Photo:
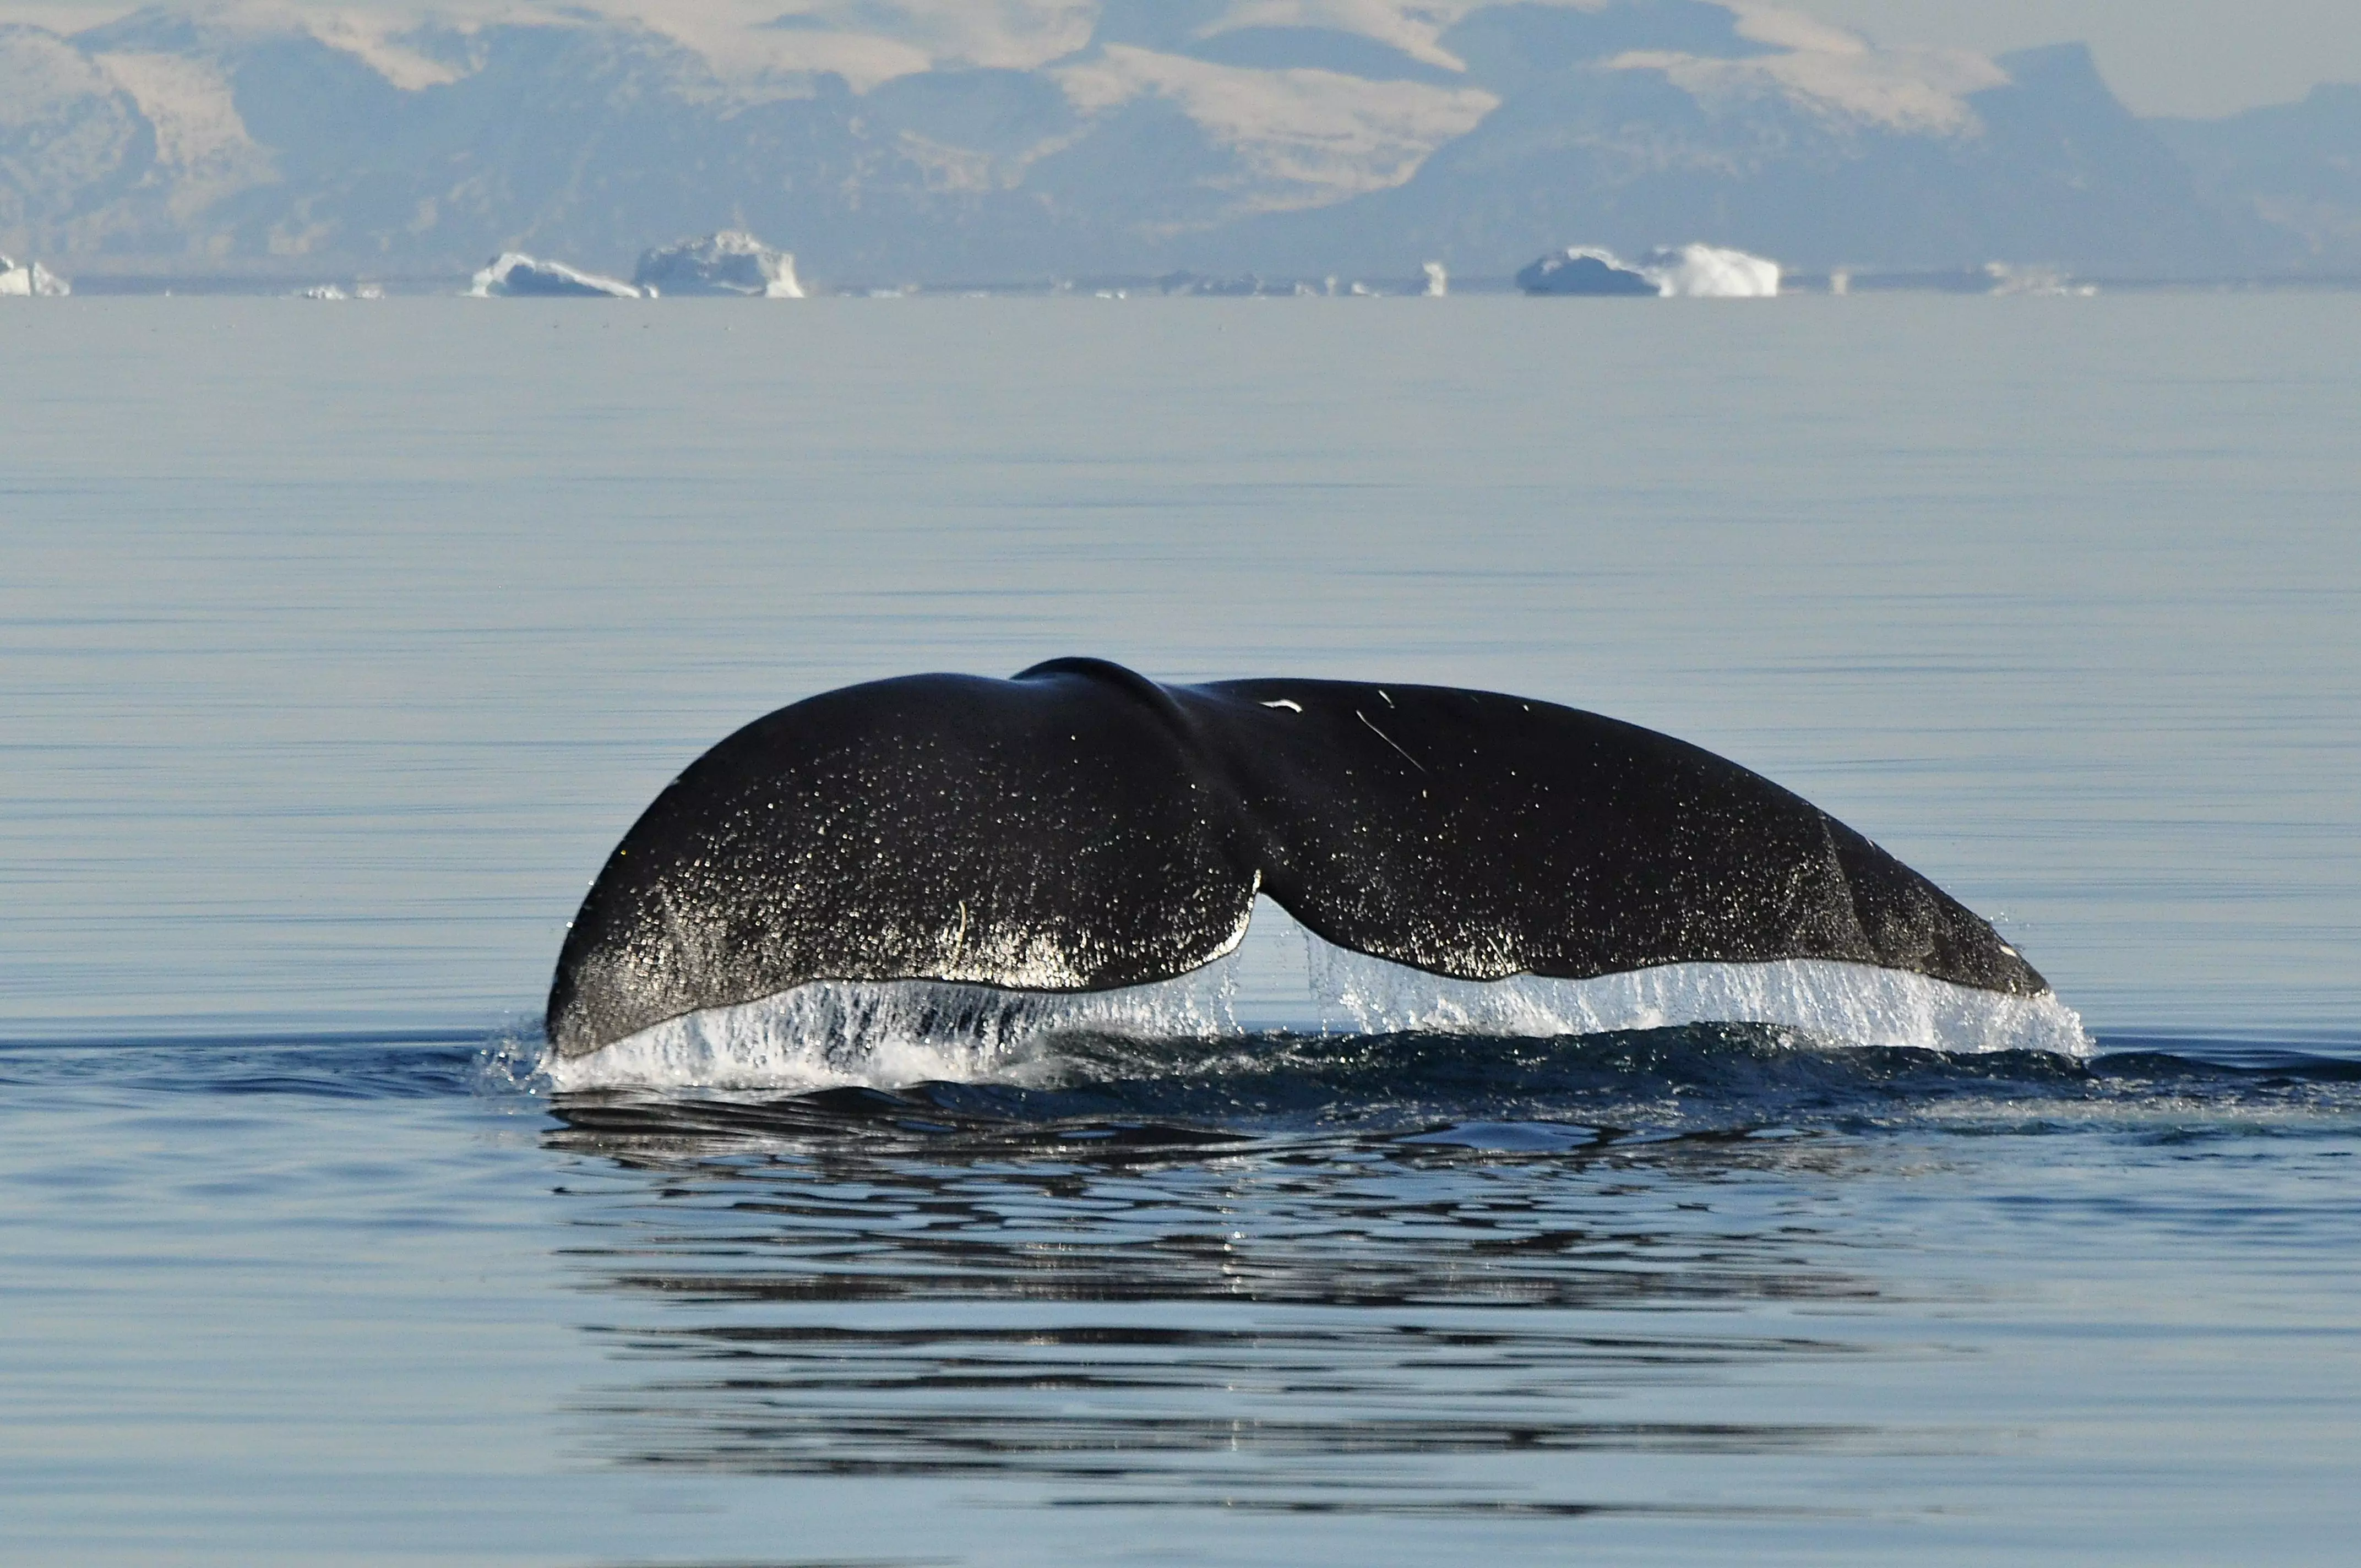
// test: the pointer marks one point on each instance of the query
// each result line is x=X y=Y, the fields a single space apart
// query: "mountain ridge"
x=1161 y=137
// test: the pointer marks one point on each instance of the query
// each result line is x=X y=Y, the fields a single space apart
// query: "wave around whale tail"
x=949 y=857
x=1282 y=985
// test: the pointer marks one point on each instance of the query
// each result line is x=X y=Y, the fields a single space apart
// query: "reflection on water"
x=1393 y=1277
x=1185 y=1364
x=1674 y=1298
x=1422 y=1320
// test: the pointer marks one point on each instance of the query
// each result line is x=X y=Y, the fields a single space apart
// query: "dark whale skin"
x=1080 y=828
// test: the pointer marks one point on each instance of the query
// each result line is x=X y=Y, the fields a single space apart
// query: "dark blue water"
x=336 y=648
x=1688 y=1294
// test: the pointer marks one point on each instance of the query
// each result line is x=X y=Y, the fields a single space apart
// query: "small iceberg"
x=514 y=275
x=1245 y=285
x=1582 y=270
x=31 y=280
x=2047 y=282
x=729 y=262
x=1675 y=272
x=1709 y=272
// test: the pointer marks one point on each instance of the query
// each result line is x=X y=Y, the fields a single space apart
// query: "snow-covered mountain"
x=2289 y=176
x=981 y=139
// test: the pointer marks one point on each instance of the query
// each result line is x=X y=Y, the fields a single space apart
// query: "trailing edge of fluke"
x=1080 y=828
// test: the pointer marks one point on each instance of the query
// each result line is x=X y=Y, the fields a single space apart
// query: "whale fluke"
x=1080 y=828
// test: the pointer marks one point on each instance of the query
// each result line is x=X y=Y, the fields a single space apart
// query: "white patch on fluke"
x=1833 y=1003
x=830 y=1034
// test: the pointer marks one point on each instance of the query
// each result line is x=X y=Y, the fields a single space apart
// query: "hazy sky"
x=2162 y=57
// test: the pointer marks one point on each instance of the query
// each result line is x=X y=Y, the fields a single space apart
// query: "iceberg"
x=1245 y=285
x=514 y=275
x=1669 y=272
x=1709 y=272
x=1584 y=270
x=729 y=262
x=2049 y=281
x=30 y=279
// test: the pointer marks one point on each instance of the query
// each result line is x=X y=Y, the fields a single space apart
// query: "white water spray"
x=829 y=1033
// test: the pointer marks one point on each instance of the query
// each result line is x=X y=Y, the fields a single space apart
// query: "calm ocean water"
x=339 y=643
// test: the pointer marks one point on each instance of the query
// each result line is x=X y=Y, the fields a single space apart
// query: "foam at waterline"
x=1832 y=1002
x=831 y=1033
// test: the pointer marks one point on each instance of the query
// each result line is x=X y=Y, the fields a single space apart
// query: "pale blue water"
x=338 y=644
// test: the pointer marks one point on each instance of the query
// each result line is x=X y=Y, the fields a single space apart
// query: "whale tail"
x=1080 y=829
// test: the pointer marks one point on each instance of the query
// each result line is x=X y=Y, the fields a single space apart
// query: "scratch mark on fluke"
x=1389 y=740
x=1104 y=831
